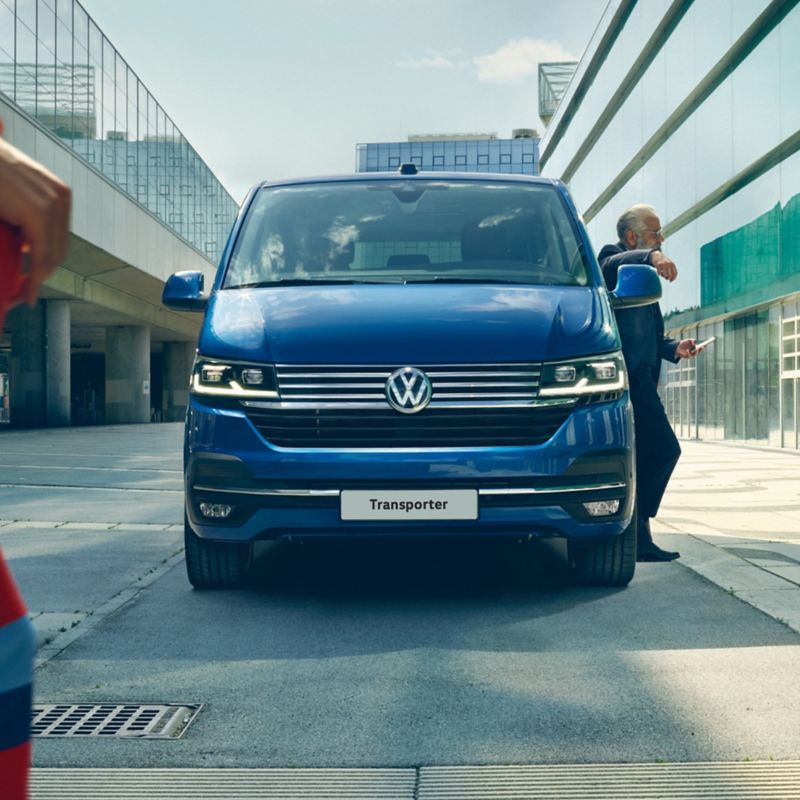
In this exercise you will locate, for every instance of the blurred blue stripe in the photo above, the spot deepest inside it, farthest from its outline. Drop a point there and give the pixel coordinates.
(15, 717)
(17, 649)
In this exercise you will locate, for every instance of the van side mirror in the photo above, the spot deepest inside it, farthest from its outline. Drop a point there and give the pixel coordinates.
(637, 285)
(183, 291)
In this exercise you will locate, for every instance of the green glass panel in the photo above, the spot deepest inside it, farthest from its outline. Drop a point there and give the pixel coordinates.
(742, 258)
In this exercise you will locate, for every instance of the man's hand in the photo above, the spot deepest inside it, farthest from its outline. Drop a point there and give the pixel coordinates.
(687, 348)
(664, 266)
(38, 203)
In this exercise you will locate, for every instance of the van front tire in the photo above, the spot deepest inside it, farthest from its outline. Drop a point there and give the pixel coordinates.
(215, 565)
(605, 562)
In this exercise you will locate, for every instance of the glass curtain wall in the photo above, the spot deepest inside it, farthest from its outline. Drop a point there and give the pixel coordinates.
(746, 385)
(57, 66)
(707, 131)
(515, 156)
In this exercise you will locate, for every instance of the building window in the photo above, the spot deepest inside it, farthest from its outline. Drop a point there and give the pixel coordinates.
(438, 161)
(505, 158)
(461, 161)
(527, 158)
(483, 158)
(790, 347)
(394, 161)
(416, 160)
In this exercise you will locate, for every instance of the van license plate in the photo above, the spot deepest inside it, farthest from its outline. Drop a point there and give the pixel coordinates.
(412, 504)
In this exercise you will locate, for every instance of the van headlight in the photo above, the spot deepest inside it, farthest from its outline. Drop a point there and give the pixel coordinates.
(582, 376)
(233, 378)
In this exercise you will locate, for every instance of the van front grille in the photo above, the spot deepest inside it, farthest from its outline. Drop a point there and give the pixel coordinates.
(431, 428)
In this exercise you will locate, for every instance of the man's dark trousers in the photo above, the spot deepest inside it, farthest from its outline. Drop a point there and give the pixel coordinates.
(657, 448)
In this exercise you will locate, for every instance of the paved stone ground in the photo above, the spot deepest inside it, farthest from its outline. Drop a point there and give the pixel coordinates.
(734, 514)
(372, 656)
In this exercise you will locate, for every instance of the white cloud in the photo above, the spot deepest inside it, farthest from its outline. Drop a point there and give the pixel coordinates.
(519, 59)
(434, 60)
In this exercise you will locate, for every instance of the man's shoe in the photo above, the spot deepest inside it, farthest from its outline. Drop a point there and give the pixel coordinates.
(649, 551)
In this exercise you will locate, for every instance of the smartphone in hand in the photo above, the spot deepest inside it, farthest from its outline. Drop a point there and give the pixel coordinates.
(702, 345)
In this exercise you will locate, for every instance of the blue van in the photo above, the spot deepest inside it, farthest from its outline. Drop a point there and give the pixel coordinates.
(409, 354)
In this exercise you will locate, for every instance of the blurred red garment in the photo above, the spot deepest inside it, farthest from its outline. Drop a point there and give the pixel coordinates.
(17, 651)
(12, 280)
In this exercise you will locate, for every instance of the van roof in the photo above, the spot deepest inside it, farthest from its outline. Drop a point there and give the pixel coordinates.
(422, 175)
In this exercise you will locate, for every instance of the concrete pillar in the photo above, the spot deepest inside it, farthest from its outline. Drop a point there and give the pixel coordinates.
(28, 364)
(57, 362)
(177, 360)
(128, 374)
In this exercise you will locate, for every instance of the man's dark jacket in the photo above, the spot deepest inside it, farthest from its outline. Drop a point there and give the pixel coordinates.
(641, 328)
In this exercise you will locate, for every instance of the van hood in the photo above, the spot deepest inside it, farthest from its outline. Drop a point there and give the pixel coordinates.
(407, 324)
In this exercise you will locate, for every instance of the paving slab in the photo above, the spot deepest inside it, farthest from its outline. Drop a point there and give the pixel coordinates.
(765, 780)
(67, 569)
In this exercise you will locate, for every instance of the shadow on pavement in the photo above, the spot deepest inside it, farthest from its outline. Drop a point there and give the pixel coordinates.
(410, 569)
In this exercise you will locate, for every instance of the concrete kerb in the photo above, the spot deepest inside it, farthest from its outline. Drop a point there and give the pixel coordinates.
(733, 511)
(64, 639)
(27, 524)
(751, 580)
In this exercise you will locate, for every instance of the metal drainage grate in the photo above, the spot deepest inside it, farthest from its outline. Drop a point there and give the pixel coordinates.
(129, 720)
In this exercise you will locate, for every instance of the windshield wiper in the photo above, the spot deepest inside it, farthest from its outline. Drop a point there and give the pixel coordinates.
(302, 282)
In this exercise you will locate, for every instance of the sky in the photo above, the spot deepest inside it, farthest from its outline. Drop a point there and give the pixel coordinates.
(269, 89)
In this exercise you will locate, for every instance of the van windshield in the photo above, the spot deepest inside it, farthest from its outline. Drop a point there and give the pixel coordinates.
(407, 231)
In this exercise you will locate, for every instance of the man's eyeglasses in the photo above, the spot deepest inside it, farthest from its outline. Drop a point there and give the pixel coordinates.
(659, 233)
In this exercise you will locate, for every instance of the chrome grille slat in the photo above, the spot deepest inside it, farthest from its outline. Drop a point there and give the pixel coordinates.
(439, 396)
(383, 374)
(286, 384)
(435, 374)
(323, 397)
(331, 383)
(486, 385)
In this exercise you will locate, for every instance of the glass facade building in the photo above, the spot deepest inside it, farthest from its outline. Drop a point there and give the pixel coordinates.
(457, 154)
(554, 78)
(58, 67)
(694, 108)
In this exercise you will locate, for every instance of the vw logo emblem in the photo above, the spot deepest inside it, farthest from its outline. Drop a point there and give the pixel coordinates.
(408, 390)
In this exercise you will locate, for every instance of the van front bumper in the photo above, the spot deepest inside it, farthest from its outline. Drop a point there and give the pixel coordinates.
(536, 491)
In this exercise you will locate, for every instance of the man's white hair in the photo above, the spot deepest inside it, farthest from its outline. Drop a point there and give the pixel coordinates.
(633, 219)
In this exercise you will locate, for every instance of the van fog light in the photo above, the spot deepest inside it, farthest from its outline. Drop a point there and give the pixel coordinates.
(215, 510)
(602, 508)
